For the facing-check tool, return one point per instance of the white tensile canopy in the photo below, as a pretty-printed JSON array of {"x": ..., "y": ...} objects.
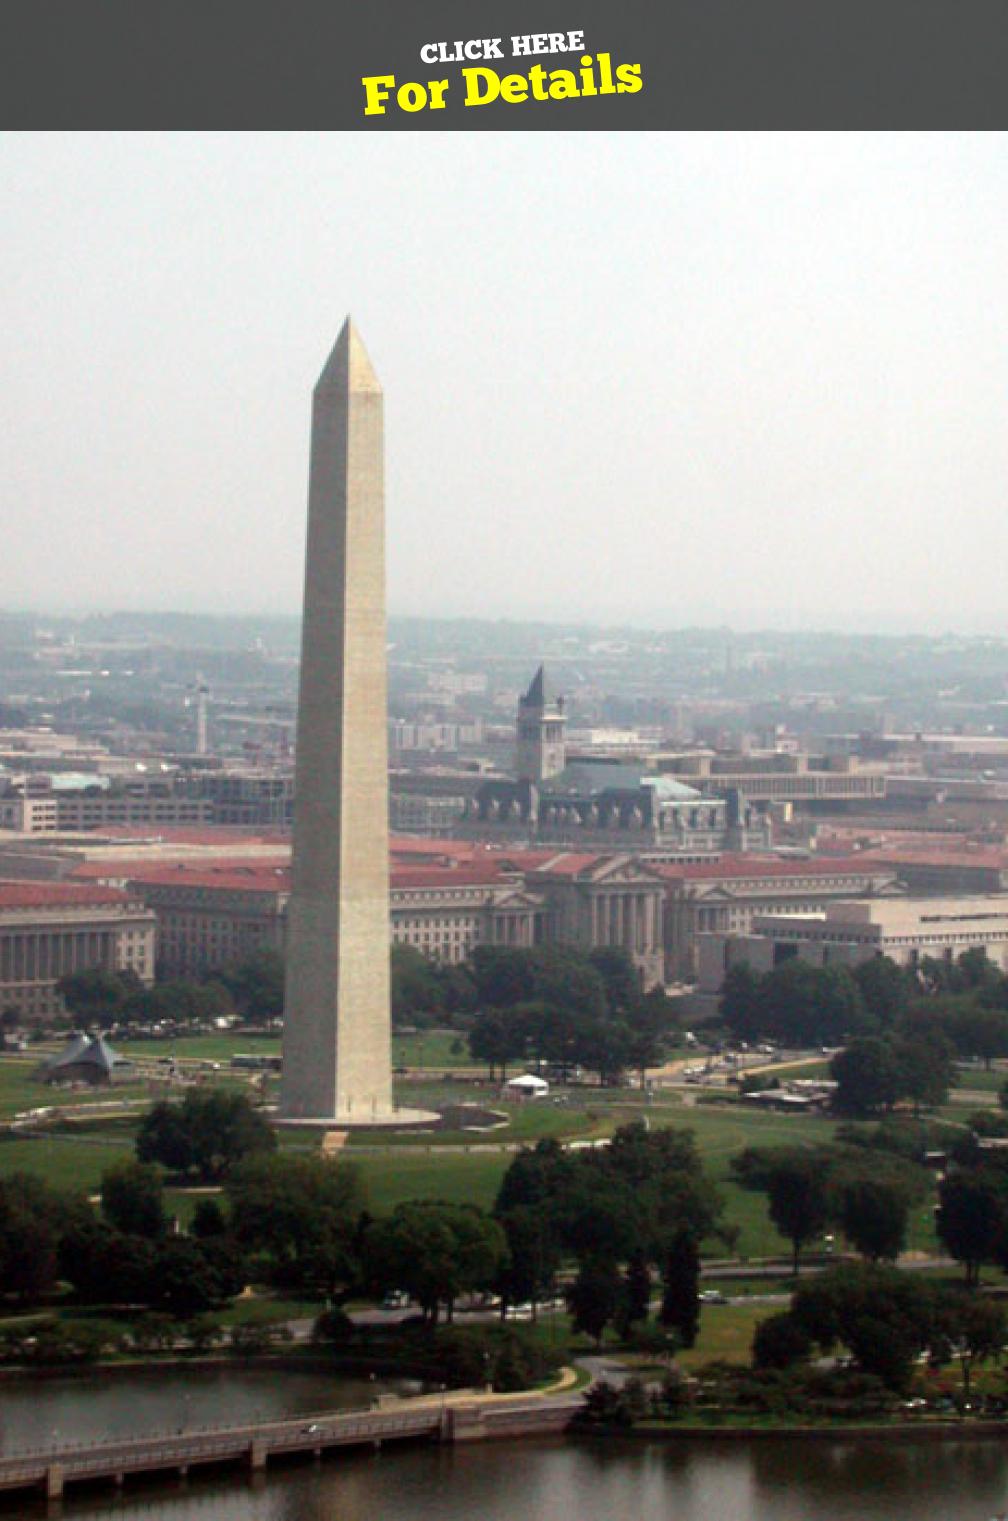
[{"x": 528, "y": 1084}]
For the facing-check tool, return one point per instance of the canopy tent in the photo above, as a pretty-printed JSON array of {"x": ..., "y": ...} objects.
[{"x": 527, "y": 1085}]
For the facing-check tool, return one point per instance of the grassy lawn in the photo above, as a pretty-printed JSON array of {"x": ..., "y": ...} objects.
[
  {"x": 210, "y": 1048},
  {"x": 21, "y": 1090},
  {"x": 64, "y": 1161},
  {"x": 458, "y": 1178},
  {"x": 417, "y": 1166},
  {"x": 726, "y": 1332},
  {"x": 979, "y": 1080},
  {"x": 427, "y": 1048}
]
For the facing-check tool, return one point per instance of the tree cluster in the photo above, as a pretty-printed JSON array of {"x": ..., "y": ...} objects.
[
  {"x": 809, "y": 1189},
  {"x": 962, "y": 1003},
  {"x": 559, "y": 1006},
  {"x": 205, "y": 1136},
  {"x": 642, "y": 1201},
  {"x": 885, "y": 1319},
  {"x": 251, "y": 989}
]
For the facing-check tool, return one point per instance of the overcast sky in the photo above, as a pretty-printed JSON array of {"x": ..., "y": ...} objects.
[{"x": 661, "y": 379}]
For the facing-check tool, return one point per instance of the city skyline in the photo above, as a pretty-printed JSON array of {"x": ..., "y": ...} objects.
[{"x": 747, "y": 381}]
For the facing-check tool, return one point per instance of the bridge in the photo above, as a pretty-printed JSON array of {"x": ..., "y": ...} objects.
[{"x": 255, "y": 1445}]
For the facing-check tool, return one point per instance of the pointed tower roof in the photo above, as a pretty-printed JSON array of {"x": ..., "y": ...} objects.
[
  {"x": 348, "y": 366},
  {"x": 541, "y": 693}
]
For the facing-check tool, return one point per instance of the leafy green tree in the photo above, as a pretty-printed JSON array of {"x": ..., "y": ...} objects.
[
  {"x": 208, "y": 1220},
  {"x": 416, "y": 991},
  {"x": 435, "y": 1252},
  {"x": 885, "y": 989},
  {"x": 801, "y": 1004},
  {"x": 303, "y": 1215},
  {"x": 132, "y": 1199},
  {"x": 635, "y": 1293},
  {"x": 650, "y": 1028},
  {"x": 209, "y": 1133},
  {"x": 256, "y": 984},
  {"x": 873, "y": 1216},
  {"x": 498, "y": 1039},
  {"x": 533, "y": 1256},
  {"x": 594, "y": 1296},
  {"x": 680, "y": 1306},
  {"x": 620, "y": 980},
  {"x": 971, "y": 1218},
  {"x": 503, "y": 976},
  {"x": 798, "y": 1199},
  {"x": 740, "y": 1005},
  {"x": 98, "y": 995},
  {"x": 29, "y": 1236},
  {"x": 867, "y": 1076},
  {"x": 925, "y": 1069},
  {"x": 780, "y": 1342},
  {"x": 976, "y": 1330},
  {"x": 884, "y": 1317}
]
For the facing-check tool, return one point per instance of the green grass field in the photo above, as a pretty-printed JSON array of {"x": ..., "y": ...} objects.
[
  {"x": 434, "y": 1165},
  {"x": 427, "y": 1048}
]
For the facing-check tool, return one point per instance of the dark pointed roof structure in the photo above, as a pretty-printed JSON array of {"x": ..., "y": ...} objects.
[{"x": 541, "y": 693}]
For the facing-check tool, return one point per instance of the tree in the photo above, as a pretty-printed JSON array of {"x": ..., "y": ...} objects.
[
  {"x": 873, "y": 1217},
  {"x": 29, "y": 1233},
  {"x": 885, "y": 989},
  {"x": 971, "y": 1217},
  {"x": 924, "y": 1069},
  {"x": 780, "y": 1342},
  {"x": 503, "y": 976},
  {"x": 533, "y": 1256},
  {"x": 256, "y": 984},
  {"x": 435, "y": 1252},
  {"x": 594, "y": 1296},
  {"x": 802, "y": 1004},
  {"x": 650, "y": 1025},
  {"x": 680, "y": 1306},
  {"x": 209, "y": 1133},
  {"x": 883, "y": 1316},
  {"x": 740, "y": 1006},
  {"x": 496, "y": 1038},
  {"x": 131, "y": 1199},
  {"x": 98, "y": 995},
  {"x": 304, "y": 1215},
  {"x": 976, "y": 1329},
  {"x": 866, "y": 1075},
  {"x": 635, "y": 1294},
  {"x": 797, "y": 1197},
  {"x": 416, "y": 994}
]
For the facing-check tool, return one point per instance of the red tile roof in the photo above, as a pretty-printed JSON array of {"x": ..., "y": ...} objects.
[
  {"x": 253, "y": 877},
  {"x": 568, "y": 864},
  {"x": 730, "y": 867},
  {"x": 137, "y": 867},
  {"x": 468, "y": 874}
]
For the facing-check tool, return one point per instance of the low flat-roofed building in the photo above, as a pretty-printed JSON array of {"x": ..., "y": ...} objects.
[
  {"x": 847, "y": 933},
  {"x": 48, "y": 929}
]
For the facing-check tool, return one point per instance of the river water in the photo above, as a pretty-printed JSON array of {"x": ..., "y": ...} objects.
[{"x": 552, "y": 1480}]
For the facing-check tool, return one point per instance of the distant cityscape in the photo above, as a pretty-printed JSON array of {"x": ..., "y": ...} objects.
[{"x": 695, "y": 797}]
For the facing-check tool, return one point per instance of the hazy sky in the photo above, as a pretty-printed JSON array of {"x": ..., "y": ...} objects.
[{"x": 667, "y": 379}]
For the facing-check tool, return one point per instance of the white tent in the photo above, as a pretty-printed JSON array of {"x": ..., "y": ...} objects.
[{"x": 527, "y": 1086}]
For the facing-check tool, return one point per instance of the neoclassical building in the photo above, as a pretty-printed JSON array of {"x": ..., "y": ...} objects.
[
  {"x": 600, "y": 803},
  {"x": 48, "y": 929}
]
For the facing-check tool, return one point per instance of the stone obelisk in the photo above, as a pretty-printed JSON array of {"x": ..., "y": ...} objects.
[{"x": 336, "y": 1043}]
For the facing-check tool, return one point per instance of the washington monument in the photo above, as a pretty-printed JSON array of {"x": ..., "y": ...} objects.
[{"x": 336, "y": 1051}]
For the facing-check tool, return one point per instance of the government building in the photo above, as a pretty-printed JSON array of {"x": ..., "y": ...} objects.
[
  {"x": 602, "y": 803},
  {"x": 48, "y": 929}
]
